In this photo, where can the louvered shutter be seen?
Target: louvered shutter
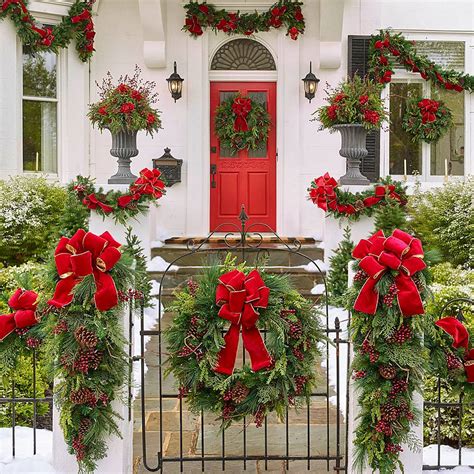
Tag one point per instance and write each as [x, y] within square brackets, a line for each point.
[357, 63]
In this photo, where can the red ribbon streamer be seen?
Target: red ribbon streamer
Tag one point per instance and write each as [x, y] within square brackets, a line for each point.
[239, 297]
[85, 254]
[241, 108]
[400, 252]
[92, 202]
[24, 303]
[460, 335]
[380, 193]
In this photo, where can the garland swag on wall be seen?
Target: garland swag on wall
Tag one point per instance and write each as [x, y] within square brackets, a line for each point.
[285, 13]
[77, 25]
[386, 328]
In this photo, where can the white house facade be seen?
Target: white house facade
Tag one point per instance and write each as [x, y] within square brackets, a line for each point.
[44, 128]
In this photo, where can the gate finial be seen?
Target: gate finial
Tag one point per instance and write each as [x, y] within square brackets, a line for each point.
[243, 217]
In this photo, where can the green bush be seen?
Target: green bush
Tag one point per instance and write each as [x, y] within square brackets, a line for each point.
[444, 220]
[30, 210]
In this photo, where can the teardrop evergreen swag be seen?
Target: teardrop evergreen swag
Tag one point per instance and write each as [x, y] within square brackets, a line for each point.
[287, 13]
[76, 25]
[241, 123]
[196, 346]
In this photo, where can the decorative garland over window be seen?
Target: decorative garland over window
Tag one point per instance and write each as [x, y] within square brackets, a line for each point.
[287, 13]
[77, 25]
[281, 369]
[387, 47]
[326, 194]
[121, 206]
[427, 120]
[242, 124]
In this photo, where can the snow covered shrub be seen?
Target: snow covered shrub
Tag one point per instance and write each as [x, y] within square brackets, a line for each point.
[444, 219]
[30, 209]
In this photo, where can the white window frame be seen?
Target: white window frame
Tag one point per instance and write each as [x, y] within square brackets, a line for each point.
[403, 76]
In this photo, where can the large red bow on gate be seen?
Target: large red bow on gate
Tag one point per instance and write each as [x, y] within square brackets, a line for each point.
[400, 252]
[149, 183]
[323, 194]
[239, 297]
[460, 335]
[382, 192]
[241, 108]
[24, 303]
[86, 254]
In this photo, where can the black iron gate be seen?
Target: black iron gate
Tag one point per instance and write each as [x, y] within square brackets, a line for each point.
[251, 246]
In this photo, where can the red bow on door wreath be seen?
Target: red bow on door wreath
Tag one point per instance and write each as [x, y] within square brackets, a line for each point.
[24, 303]
[241, 108]
[86, 254]
[239, 297]
[460, 335]
[400, 252]
[428, 108]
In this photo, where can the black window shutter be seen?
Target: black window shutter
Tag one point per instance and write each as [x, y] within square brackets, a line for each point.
[358, 63]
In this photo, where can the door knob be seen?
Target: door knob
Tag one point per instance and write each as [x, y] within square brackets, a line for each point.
[213, 176]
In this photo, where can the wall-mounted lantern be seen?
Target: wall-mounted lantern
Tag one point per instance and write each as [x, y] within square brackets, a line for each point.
[175, 84]
[170, 167]
[310, 84]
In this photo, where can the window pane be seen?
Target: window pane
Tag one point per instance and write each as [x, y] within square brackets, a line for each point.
[401, 146]
[39, 74]
[449, 150]
[261, 151]
[39, 136]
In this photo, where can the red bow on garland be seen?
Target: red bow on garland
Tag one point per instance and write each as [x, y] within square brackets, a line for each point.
[428, 108]
[7, 3]
[323, 194]
[400, 252]
[92, 202]
[380, 193]
[239, 297]
[460, 335]
[241, 108]
[86, 254]
[24, 303]
[149, 183]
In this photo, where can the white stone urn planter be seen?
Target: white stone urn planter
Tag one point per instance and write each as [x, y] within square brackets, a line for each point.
[353, 148]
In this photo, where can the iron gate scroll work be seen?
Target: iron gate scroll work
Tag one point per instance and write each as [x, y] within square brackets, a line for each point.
[250, 244]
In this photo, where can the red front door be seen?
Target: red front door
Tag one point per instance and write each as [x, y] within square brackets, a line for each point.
[247, 177]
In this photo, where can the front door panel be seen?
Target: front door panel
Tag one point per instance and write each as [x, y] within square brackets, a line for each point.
[247, 177]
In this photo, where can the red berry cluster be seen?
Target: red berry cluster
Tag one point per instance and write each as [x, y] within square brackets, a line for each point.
[88, 359]
[228, 410]
[297, 353]
[61, 327]
[104, 398]
[452, 361]
[193, 287]
[384, 427]
[130, 295]
[259, 416]
[390, 296]
[368, 348]
[401, 335]
[359, 374]
[237, 394]
[360, 276]
[33, 342]
[398, 386]
[393, 448]
[21, 331]
[182, 392]
[79, 447]
[300, 383]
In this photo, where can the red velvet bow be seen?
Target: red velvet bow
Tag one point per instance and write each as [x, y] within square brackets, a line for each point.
[428, 108]
[460, 335]
[400, 252]
[241, 108]
[382, 192]
[24, 303]
[7, 3]
[91, 202]
[149, 183]
[193, 26]
[239, 297]
[86, 254]
[83, 16]
[323, 194]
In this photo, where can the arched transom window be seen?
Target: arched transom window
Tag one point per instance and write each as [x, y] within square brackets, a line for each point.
[243, 55]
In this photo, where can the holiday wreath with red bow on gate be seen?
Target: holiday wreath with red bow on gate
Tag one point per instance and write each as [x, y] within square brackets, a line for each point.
[279, 331]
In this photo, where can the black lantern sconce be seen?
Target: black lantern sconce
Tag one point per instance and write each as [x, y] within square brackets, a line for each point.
[310, 84]
[175, 84]
[170, 167]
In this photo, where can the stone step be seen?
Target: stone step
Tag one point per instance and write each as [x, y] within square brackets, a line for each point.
[277, 254]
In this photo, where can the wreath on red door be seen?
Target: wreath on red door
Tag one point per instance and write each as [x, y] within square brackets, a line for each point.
[241, 124]
[279, 330]
[427, 120]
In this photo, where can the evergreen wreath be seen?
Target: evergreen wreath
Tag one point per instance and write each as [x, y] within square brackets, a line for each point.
[386, 300]
[387, 47]
[285, 13]
[85, 342]
[77, 25]
[146, 189]
[427, 120]
[283, 376]
[328, 196]
[241, 123]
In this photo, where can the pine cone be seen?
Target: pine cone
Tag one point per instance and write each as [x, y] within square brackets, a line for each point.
[239, 392]
[84, 427]
[88, 359]
[82, 396]
[296, 330]
[85, 338]
[387, 372]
